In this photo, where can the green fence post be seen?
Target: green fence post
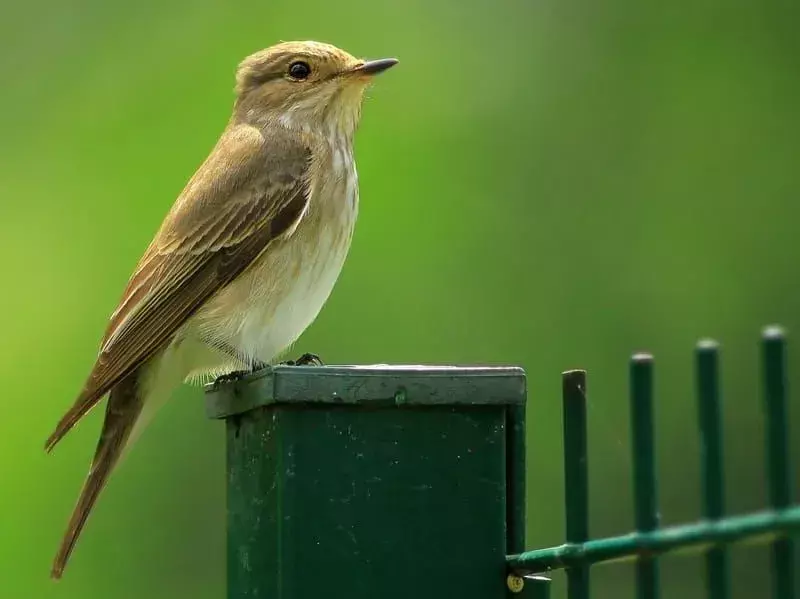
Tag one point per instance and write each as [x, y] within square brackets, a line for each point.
[713, 485]
[365, 482]
[644, 469]
[778, 470]
[576, 475]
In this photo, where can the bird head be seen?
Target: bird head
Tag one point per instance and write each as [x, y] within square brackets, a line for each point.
[309, 86]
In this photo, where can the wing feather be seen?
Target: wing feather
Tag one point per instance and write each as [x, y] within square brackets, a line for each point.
[246, 194]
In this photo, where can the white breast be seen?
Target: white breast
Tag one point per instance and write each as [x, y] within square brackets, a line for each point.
[268, 307]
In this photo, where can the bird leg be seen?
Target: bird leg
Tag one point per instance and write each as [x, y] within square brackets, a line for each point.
[230, 377]
[258, 365]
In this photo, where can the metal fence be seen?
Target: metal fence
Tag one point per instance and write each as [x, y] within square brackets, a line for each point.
[398, 481]
[710, 536]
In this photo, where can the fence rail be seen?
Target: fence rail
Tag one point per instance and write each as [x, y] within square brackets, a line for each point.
[715, 532]
[352, 481]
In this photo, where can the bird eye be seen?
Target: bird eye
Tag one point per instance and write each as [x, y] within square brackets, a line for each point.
[299, 70]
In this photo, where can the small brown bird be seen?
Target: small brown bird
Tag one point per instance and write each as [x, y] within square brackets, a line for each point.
[247, 255]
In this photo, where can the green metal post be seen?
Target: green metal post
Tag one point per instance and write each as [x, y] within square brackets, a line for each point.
[515, 467]
[644, 469]
[382, 481]
[711, 462]
[576, 475]
[531, 587]
[778, 469]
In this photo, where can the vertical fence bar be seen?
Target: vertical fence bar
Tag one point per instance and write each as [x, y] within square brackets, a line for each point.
[778, 469]
[644, 468]
[708, 396]
[576, 475]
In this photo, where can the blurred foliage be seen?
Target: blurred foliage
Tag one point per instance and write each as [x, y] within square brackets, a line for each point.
[554, 184]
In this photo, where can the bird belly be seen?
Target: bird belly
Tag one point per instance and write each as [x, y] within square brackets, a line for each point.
[277, 313]
[263, 311]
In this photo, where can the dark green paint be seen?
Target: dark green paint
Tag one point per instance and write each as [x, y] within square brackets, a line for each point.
[715, 532]
[778, 469]
[370, 496]
[576, 475]
[515, 466]
[536, 587]
[760, 527]
[376, 385]
[644, 468]
[711, 462]
[410, 481]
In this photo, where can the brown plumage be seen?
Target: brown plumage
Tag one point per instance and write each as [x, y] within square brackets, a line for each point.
[245, 258]
[231, 209]
[124, 406]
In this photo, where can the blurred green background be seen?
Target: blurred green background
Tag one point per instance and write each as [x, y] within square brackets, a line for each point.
[552, 184]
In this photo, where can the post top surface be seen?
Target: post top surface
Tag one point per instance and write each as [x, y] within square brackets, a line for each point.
[375, 385]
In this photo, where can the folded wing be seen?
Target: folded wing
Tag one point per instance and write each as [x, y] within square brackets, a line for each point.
[248, 193]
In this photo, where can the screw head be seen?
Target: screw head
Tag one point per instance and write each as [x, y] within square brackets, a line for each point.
[515, 583]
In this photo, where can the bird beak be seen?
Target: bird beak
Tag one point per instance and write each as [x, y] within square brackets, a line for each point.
[373, 67]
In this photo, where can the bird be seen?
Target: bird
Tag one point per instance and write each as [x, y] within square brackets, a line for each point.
[246, 257]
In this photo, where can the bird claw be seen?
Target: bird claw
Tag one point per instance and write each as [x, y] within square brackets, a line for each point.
[229, 377]
[258, 365]
[305, 360]
[237, 375]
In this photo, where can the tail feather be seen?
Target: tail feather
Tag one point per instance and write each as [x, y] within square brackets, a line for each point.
[122, 412]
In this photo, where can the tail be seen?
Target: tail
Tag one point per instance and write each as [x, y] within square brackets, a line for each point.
[122, 412]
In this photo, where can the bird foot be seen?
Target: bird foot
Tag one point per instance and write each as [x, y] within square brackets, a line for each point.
[236, 375]
[305, 360]
[258, 365]
[229, 377]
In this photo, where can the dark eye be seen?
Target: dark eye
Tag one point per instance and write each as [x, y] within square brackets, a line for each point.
[299, 70]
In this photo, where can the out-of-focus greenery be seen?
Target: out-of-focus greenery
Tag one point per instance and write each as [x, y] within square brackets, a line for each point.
[553, 184]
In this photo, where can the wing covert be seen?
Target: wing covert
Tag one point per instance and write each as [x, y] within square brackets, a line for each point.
[247, 193]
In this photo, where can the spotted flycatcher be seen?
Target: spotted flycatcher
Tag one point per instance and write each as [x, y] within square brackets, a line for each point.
[247, 255]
